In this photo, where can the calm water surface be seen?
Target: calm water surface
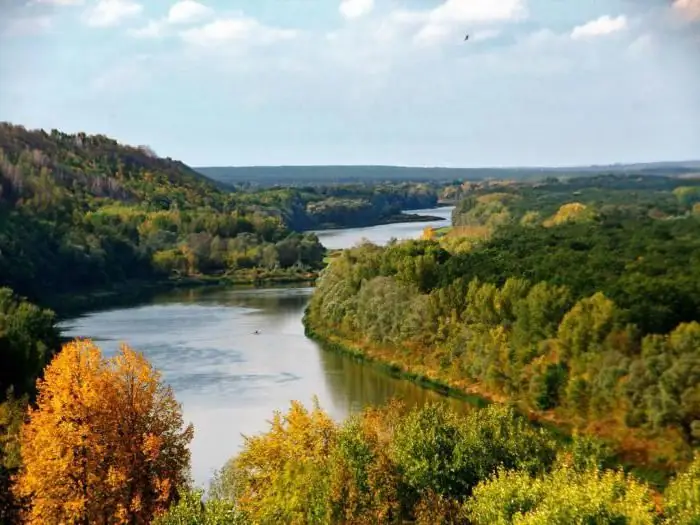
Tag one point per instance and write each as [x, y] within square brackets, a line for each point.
[230, 380]
[339, 239]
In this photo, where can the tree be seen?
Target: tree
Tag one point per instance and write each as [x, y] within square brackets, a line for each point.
[282, 476]
[28, 338]
[105, 443]
[191, 510]
[683, 496]
[11, 415]
[564, 496]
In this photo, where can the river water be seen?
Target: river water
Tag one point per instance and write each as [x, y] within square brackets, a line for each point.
[230, 380]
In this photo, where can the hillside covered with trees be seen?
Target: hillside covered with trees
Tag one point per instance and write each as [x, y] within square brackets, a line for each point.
[583, 314]
[81, 212]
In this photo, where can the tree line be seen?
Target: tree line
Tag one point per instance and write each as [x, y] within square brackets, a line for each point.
[428, 465]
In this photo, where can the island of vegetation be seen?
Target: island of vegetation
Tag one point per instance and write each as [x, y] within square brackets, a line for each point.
[572, 302]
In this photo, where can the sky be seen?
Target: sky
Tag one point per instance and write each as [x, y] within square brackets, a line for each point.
[279, 82]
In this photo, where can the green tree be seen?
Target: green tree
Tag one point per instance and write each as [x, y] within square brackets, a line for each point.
[682, 496]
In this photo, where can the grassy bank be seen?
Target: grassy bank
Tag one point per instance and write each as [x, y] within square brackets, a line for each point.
[656, 476]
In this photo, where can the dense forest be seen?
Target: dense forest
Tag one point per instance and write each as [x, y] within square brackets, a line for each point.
[580, 304]
[80, 212]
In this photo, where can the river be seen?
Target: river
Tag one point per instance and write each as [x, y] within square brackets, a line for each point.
[230, 380]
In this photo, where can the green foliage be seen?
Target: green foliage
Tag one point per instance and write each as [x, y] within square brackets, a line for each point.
[428, 465]
[682, 497]
[439, 452]
[80, 212]
[28, 339]
[191, 510]
[563, 496]
[12, 412]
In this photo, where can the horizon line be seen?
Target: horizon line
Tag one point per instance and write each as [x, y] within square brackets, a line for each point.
[427, 167]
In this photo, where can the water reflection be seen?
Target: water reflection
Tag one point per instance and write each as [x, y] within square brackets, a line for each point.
[353, 385]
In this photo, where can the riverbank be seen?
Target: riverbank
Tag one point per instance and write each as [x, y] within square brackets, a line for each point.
[630, 452]
[126, 293]
[394, 370]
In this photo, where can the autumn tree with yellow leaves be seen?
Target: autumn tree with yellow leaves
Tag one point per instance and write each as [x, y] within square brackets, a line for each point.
[106, 442]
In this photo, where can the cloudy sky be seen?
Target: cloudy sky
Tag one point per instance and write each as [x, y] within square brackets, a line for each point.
[250, 82]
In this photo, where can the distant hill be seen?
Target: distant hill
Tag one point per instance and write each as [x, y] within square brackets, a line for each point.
[310, 175]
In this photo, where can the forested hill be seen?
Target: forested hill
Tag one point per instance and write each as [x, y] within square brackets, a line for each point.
[310, 175]
[79, 212]
[100, 165]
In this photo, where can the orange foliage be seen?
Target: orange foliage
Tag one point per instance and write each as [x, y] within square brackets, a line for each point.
[105, 443]
[428, 233]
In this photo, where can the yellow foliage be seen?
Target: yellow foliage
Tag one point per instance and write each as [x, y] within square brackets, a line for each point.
[279, 471]
[463, 238]
[428, 233]
[570, 212]
[105, 443]
[472, 232]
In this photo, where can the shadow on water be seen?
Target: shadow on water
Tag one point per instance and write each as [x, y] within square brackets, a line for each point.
[353, 385]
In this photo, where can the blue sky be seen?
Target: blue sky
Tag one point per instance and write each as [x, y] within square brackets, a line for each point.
[266, 82]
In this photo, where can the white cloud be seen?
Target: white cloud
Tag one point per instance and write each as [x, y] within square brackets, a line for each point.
[181, 13]
[111, 12]
[455, 17]
[241, 29]
[187, 11]
[355, 8]
[690, 8]
[604, 25]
